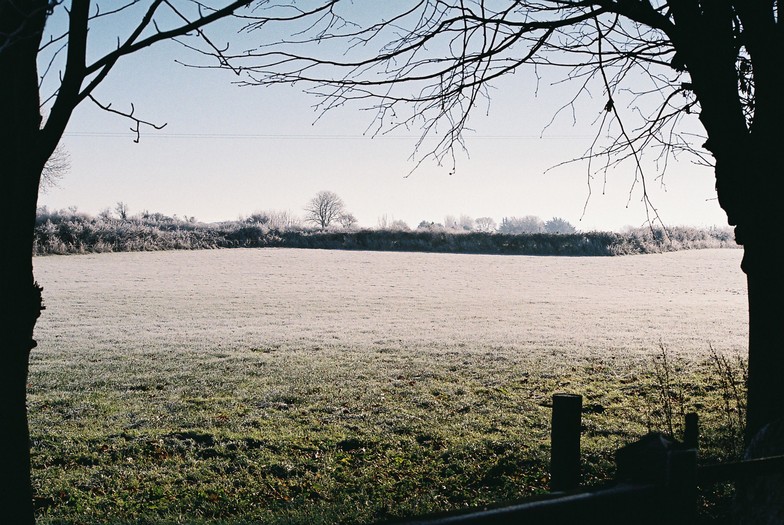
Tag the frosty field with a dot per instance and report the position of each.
(304, 386)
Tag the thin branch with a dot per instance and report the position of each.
(137, 122)
(217, 52)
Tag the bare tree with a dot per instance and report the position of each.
(451, 222)
(466, 223)
(658, 70)
(462, 223)
(259, 217)
(386, 223)
(324, 209)
(122, 210)
(399, 225)
(558, 225)
(518, 225)
(485, 224)
(53, 75)
(57, 165)
(106, 214)
(347, 221)
(280, 220)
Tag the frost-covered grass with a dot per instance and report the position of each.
(297, 386)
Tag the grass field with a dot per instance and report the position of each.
(299, 386)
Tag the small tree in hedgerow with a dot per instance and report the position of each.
(558, 225)
(347, 221)
(324, 209)
(485, 224)
(519, 225)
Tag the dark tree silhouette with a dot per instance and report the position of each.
(324, 209)
(27, 142)
(658, 63)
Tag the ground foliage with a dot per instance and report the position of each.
(301, 386)
(419, 439)
(64, 232)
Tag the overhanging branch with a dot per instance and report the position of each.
(137, 122)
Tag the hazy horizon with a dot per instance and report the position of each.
(299, 215)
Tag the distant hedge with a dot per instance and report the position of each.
(71, 233)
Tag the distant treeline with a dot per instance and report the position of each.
(65, 232)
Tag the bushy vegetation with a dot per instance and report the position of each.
(69, 232)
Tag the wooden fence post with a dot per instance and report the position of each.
(682, 486)
(691, 431)
(565, 442)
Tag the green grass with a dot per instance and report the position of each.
(262, 437)
(325, 387)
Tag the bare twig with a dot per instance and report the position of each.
(137, 122)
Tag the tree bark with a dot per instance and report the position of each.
(749, 171)
(759, 230)
(21, 161)
(751, 195)
(750, 180)
(761, 234)
(21, 307)
(762, 263)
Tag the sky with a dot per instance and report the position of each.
(229, 151)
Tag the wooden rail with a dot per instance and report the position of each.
(735, 470)
(619, 504)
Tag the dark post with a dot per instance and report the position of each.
(682, 487)
(565, 442)
(691, 431)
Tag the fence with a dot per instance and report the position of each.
(656, 480)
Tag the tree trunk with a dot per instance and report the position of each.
(751, 194)
(749, 180)
(21, 160)
(763, 260)
(762, 263)
(759, 231)
(21, 306)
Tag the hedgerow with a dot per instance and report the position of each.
(65, 232)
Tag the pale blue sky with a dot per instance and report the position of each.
(230, 151)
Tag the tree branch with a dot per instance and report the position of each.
(137, 122)
(68, 94)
